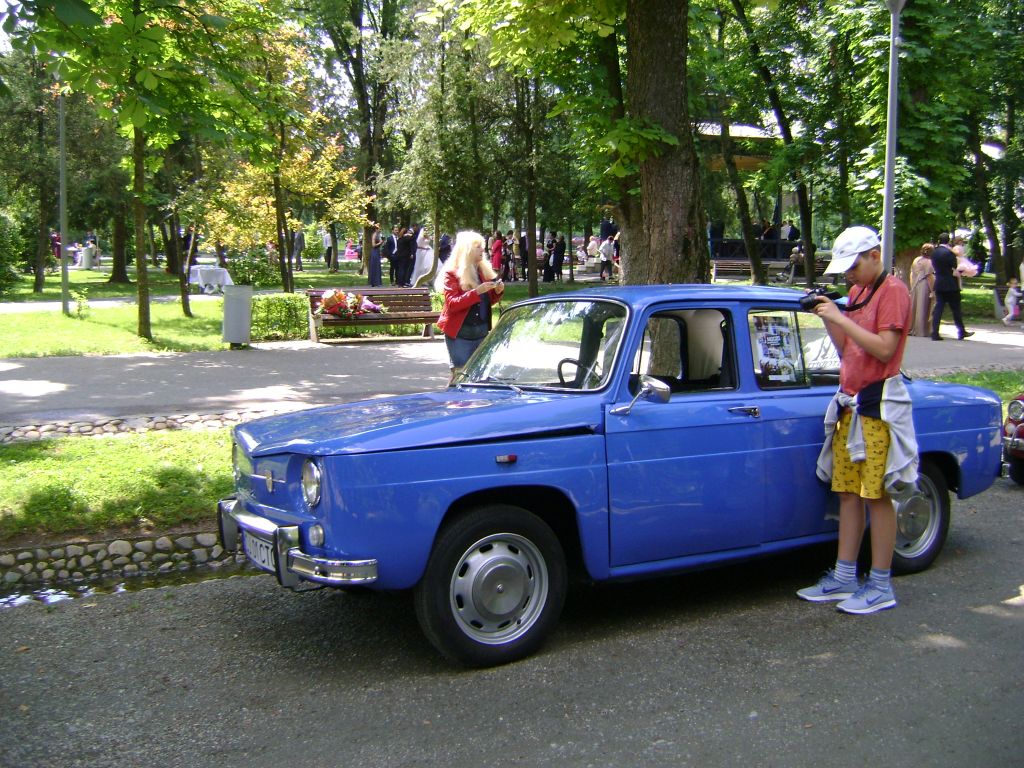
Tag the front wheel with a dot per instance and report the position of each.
(1016, 469)
(493, 588)
(922, 522)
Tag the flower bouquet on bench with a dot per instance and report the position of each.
(347, 305)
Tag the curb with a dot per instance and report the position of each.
(43, 565)
(107, 427)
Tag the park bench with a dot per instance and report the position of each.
(725, 268)
(775, 269)
(403, 305)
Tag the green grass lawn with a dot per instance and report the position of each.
(131, 481)
(111, 330)
(165, 479)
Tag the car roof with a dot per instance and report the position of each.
(644, 295)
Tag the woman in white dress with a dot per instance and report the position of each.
(424, 256)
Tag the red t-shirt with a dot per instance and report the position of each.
(888, 310)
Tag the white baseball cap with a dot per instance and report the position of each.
(851, 243)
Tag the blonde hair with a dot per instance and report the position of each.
(467, 267)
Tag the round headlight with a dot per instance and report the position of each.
(311, 482)
(1015, 410)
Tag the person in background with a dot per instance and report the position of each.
(327, 247)
(870, 450)
(298, 246)
(404, 254)
(922, 290)
(471, 288)
(607, 254)
(444, 248)
(1011, 303)
(947, 289)
(497, 251)
(548, 268)
(390, 246)
(424, 260)
(375, 278)
(559, 257)
(524, 255)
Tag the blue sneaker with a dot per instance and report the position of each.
(829, 588)
(870, 598)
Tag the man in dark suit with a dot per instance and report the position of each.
(947, 289)
(390, 246)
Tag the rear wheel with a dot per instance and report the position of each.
(922, 522)
(493, 588)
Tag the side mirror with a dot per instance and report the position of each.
(650, 389)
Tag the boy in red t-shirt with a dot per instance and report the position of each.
(870, 336)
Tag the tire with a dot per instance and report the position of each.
(494, 586)
(1016, 467)
(922, 522)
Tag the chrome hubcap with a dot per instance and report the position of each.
(917, 519)
(499, 588)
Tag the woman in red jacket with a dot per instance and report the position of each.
(471, 288)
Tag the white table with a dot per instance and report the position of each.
(209, 279)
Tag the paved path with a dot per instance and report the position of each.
(301, 374)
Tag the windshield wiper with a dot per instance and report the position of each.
(491, 381)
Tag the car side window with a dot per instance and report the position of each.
(791, 349)
(690, 350)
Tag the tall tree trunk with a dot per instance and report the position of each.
(1008, 216)
(186, 260)
(42, 239)
(668, 245)
(782, 118)
(743, 207)
(282, 244)
(44, 198)
(626, 208)
(118, 261)
(139, 211)
(333, 232)
(530, 126)
(982, 199)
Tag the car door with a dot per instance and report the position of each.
(796, 370)
(686, 477)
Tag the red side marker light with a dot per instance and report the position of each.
(506, 458)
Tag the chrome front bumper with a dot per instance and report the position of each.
(1011, 445)
(292, 565)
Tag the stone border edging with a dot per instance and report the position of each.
(106, 427)
(135, 556)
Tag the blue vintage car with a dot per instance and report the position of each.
(618, 432)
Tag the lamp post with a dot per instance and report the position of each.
(888, 201)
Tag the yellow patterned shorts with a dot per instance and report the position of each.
(867, 478)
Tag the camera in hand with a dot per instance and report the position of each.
(808, 300)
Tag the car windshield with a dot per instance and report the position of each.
(564, 344)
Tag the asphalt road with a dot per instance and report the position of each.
(718, 669)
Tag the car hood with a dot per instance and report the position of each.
(414, 421)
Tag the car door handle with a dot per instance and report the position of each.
(750, 410)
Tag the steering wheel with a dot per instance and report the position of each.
(588, 373)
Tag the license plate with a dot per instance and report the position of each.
(260, 552)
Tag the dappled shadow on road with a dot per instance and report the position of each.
(218, 381)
